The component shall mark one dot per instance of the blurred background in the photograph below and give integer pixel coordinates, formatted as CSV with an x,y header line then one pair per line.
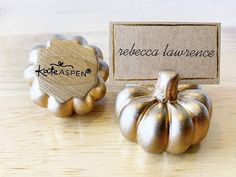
x,y
90,18
37,16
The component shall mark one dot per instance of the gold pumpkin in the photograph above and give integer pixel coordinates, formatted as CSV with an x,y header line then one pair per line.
x,y
168,118
78,105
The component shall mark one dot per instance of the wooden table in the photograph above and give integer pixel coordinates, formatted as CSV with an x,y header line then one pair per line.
x,y
35,143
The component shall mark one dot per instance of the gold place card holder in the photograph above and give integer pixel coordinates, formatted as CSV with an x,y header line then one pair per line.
x,y
175,113
67,75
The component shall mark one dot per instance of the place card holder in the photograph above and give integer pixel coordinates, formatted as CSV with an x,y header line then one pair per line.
x,y
67,75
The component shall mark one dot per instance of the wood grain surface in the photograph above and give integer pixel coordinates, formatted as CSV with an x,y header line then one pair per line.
x,y
33,142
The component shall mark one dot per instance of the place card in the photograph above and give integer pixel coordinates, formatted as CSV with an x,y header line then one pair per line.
x,y
140,50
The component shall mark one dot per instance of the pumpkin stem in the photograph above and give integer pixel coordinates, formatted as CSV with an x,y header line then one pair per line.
x,y
167,86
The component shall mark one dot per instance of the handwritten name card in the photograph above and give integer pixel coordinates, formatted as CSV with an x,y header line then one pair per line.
x,y
140,50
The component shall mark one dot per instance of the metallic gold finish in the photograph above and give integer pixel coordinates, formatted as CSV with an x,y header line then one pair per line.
x,y
104,70
60,109
79,105
98,92
169,118
38,96
83,106
127,93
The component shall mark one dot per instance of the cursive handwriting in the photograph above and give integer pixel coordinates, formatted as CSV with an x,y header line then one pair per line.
x,y
138,52
168,51
187,52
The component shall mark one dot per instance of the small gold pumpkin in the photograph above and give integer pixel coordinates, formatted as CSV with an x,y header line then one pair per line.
x,y
75,104
168,118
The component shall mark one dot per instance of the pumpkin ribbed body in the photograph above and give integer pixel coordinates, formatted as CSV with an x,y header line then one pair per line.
x,y
80,105
164,119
